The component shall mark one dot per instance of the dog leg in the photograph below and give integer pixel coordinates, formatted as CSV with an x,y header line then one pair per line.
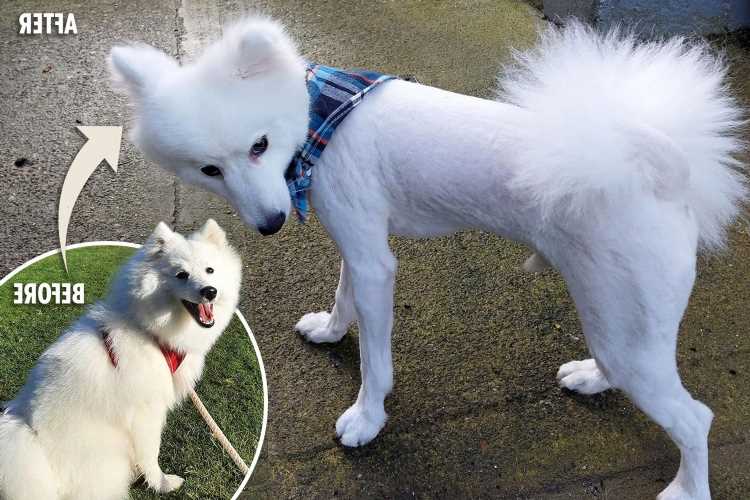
x,y
146,431
653,384
323,327
25,471
583,377
630,318
373,271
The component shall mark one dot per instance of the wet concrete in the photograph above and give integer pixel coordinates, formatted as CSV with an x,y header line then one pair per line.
x,y
50,84
475,410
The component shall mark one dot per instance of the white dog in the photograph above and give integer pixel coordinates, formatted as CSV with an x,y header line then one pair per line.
x,y
91,414
613,160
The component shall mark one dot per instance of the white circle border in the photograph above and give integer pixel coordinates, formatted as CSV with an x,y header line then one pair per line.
x,y
242,319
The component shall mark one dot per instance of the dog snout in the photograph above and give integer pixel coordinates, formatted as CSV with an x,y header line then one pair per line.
x,y
273,224
209,292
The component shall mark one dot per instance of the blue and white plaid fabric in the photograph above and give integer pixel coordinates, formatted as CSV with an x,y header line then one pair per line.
x,y
334,93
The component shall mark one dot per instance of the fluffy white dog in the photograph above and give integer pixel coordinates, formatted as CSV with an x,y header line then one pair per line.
x,y
91,414
612,159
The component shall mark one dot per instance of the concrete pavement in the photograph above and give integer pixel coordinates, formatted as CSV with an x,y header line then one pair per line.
x,y
475,410
50,85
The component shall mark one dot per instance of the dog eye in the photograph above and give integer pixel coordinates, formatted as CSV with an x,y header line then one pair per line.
x,y
210,270
259,147
211,170
182,275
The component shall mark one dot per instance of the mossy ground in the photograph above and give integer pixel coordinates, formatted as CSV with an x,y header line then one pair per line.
x,y
231,387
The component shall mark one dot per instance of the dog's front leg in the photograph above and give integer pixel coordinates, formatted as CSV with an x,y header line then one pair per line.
x,y
321,327
148,423
373,270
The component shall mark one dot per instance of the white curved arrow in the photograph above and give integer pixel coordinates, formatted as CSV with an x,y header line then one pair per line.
x,y
103,144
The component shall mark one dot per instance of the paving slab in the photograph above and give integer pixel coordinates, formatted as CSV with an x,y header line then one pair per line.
x,y
51,84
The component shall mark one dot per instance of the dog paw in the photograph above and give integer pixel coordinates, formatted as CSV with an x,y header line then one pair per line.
x,y
574,366
357,427
314,327
167,483
676,491
583,377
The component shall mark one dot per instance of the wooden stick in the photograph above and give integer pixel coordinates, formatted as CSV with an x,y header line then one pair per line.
x,y
217,434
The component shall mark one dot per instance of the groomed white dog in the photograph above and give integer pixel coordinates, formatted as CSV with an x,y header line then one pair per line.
x,y
90,417
613,159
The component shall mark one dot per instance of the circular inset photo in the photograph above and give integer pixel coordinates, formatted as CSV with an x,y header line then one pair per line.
x,y
131,376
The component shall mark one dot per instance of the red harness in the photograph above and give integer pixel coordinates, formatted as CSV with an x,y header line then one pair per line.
x,y
173,358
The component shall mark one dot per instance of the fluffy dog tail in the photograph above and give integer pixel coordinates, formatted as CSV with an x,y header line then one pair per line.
x,y
25,473
605,116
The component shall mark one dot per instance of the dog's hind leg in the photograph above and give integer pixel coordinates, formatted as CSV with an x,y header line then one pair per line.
x,y
630,316
25,472
320,327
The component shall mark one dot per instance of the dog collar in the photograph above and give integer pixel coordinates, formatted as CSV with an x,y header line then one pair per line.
x,y
173,358
334,93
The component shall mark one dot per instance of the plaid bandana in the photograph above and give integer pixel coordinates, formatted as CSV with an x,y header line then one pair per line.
x,y
334,93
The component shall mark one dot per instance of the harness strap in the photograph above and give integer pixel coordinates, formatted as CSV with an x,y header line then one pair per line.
x,y
173,358
108,345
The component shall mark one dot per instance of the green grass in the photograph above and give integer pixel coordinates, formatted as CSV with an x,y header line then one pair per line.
x,y
231,387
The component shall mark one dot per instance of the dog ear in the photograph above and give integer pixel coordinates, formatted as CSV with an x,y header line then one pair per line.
x,y
213,233
135,68
159,240
262,46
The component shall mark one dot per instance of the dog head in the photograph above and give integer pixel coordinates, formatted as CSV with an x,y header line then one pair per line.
x,y
183,290
230,122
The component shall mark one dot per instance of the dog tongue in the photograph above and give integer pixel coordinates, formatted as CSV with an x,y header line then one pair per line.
x,y
206,312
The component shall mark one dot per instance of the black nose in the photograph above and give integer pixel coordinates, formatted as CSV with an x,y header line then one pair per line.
x,y
209,292
273,224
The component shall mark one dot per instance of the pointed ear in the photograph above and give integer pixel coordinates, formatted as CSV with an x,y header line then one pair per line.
x,y
159,239
135,68
261,45
212,233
